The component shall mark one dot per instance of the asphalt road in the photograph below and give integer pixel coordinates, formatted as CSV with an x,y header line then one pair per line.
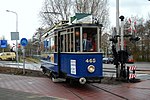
x,y
139,65
143,70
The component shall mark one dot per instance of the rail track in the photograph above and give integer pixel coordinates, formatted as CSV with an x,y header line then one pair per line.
x,y
105,90
91,88
79,91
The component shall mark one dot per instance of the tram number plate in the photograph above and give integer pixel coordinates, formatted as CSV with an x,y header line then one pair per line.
x,y
91,60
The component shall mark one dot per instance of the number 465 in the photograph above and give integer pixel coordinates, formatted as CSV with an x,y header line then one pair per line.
x,y
91,60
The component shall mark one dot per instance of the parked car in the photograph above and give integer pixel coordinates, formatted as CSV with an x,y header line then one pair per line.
x,y
130,59
7,56
108,60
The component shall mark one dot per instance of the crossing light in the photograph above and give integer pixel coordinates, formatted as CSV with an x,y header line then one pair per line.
x,y
19,46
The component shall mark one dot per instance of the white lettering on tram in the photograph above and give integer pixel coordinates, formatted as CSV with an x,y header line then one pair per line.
x,y
73,66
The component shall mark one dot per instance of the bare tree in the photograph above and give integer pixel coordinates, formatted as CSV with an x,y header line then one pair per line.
x,y
62,9
98,8
139,49
55,10
106,43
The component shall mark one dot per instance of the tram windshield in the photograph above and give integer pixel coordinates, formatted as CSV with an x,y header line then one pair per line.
x,y
86,40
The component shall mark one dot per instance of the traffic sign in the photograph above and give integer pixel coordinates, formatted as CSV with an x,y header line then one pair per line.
x,y
14,35
24,42
3,43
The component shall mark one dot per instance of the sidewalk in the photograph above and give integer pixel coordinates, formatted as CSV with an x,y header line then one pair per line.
x,y
15,87
32,66
131,91
8,94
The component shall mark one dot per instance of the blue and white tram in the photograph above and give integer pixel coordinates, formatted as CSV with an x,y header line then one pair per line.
x,y
63,54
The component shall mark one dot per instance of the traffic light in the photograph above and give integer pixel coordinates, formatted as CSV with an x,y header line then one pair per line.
x,y
114,40
134,39
19,45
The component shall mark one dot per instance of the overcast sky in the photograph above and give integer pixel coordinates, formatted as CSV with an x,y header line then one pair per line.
x,y
129,8
28,18
28,10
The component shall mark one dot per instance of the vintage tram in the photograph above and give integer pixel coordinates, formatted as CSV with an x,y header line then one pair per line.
x,y
64,56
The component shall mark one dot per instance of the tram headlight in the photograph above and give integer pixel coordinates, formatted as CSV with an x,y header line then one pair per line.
x,y
91,68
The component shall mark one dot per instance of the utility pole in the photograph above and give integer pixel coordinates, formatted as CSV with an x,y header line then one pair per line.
x,y
16,32
117,17
122,30
117,34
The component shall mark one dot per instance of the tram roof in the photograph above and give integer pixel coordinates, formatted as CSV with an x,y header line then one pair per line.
x,y
75,25
60,27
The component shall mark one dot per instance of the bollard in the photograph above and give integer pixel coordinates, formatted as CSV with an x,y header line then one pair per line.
x,y
128,72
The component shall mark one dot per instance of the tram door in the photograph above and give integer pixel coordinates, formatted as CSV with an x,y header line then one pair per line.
x,y
67,43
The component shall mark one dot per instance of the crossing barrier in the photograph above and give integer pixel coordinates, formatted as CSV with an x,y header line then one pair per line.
x,y
131,75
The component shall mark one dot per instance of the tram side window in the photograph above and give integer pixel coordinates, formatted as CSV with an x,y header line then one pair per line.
x,y
55,43
48,45
69,44
63,43
72,43
66,42
45,42
52,47
77,40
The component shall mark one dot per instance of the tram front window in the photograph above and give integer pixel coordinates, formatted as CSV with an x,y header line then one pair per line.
x,y
89,40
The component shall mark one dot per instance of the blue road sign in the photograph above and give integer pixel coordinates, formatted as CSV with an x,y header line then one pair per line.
x,y
3,43
24,42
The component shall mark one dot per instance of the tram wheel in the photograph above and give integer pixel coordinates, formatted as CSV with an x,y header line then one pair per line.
x,y
67,80
54,79
73,82
44,71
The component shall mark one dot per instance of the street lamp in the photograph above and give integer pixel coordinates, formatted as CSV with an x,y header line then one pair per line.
x,y
16,31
